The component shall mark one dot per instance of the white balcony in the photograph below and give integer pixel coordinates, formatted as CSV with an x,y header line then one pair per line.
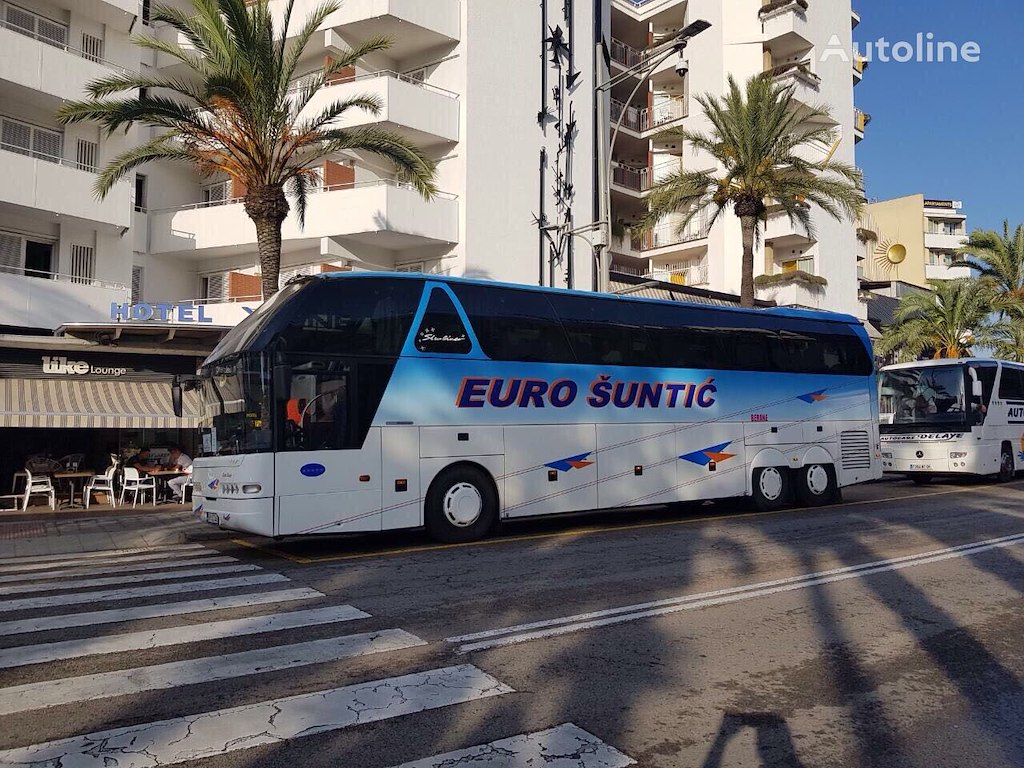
x,y
421,113
667,237
944,272
50,300
657,117
806,84
796,294
381,213
47,66
783,233
694,273
786,28
942,241
60,187
414,26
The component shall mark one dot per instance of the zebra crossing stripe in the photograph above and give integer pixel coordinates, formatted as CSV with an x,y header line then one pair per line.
x,y
105,569
131,593
104,685
189,633
107,581
564,746
195,737
22,589
99,553
135,613
87,560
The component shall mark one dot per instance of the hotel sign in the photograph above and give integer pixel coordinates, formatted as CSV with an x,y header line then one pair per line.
x,y
950,205
164,313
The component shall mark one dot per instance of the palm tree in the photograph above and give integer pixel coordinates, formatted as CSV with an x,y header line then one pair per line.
x,y
1010,343
758,138
238,112
999,259
945,323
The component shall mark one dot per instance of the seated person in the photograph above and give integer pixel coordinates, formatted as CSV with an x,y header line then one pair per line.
x,y
182,462
142,460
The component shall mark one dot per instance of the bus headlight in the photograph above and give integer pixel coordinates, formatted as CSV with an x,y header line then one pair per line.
x,y
958,454
252,488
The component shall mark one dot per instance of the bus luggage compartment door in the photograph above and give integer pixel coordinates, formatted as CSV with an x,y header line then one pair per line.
x,y
550,469
334,491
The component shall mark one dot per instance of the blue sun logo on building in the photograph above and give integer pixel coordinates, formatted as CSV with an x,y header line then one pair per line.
x,y
573,462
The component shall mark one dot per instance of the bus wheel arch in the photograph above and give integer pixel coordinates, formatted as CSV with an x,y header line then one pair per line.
x,y
461,504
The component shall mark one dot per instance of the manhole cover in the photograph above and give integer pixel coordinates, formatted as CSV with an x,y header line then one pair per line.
x,y
10,531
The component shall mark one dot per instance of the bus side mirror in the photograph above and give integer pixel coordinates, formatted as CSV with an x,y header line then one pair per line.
x,y
976,390
176,398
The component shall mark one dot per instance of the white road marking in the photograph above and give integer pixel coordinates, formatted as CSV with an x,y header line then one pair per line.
x,y
131,593
194,737
188,633
564,746
107,581
101,569
86,560
99,553
104,685
134,613
567,624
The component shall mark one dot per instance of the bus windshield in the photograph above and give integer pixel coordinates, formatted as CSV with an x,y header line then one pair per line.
x,y
237,406
927,397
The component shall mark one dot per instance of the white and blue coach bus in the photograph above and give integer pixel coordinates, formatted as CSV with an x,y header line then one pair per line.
x,y
368,402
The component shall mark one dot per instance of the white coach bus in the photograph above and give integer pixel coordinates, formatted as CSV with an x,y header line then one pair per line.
x,y
952,417
367,402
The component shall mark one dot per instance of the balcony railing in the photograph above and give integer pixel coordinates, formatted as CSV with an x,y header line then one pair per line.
x,y
648,118
62,45
638,179
626,55
861,120
56,160
63,277
681,274
803,69
668,233
302,82
769,7
314,190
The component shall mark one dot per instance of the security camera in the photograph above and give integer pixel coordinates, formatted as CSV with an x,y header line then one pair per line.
x,y
682,68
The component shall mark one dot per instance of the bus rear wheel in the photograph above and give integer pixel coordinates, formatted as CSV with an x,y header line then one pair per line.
x,y
461,505
816,485
770,488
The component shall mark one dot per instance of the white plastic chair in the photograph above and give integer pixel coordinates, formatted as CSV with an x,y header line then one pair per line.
x,y
39,486
105,483
134,483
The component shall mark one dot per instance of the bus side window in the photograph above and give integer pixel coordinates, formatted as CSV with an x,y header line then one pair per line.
x,y
441,330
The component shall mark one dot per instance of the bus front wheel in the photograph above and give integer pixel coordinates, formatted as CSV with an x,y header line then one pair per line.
x,y
816,485
461,505
770,488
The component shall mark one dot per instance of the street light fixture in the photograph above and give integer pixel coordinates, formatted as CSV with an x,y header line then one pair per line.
x,y
655,57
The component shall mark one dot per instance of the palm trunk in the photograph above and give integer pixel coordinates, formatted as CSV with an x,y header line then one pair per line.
x,y
268,207
748,225
268,245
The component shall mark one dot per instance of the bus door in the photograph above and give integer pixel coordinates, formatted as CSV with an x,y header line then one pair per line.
x,y
327,471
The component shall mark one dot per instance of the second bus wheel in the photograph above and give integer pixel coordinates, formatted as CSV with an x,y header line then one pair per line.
x,y
770,488
816,485
461,505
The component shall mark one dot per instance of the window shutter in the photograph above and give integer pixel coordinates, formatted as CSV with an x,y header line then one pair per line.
x,y
83,263
20,19
10,252
138,274
51,31
15,136
47,145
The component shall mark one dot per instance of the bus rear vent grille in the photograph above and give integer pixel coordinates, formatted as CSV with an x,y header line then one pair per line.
x,y
856,450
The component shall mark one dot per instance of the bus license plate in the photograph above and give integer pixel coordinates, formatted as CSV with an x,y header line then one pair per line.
x,y
920,466
212,517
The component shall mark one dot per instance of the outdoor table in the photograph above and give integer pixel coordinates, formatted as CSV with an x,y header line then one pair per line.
x,y
162,476
73,478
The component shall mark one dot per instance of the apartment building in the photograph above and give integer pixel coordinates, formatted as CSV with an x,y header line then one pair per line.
x,y
807,44
913,239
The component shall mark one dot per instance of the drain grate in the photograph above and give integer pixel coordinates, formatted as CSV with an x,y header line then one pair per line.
x,y
9,531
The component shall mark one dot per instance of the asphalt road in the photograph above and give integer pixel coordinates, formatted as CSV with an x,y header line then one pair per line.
x,y
884,631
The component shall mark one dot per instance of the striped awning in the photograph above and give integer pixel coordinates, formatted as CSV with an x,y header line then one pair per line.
x,y
94,404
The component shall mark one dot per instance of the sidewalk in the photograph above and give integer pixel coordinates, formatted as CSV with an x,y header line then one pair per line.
x,y
51,533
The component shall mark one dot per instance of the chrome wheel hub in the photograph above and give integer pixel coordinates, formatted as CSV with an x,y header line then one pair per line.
x,y
817,479
463,505
770,483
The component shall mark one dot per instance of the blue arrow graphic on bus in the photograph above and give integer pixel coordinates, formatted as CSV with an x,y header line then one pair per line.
x,y
704,457
813,397
573,462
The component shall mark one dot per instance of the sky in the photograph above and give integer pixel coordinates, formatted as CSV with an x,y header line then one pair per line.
x,y
949,130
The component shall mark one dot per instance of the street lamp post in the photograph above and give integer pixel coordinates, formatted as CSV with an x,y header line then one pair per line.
x,y
655,57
